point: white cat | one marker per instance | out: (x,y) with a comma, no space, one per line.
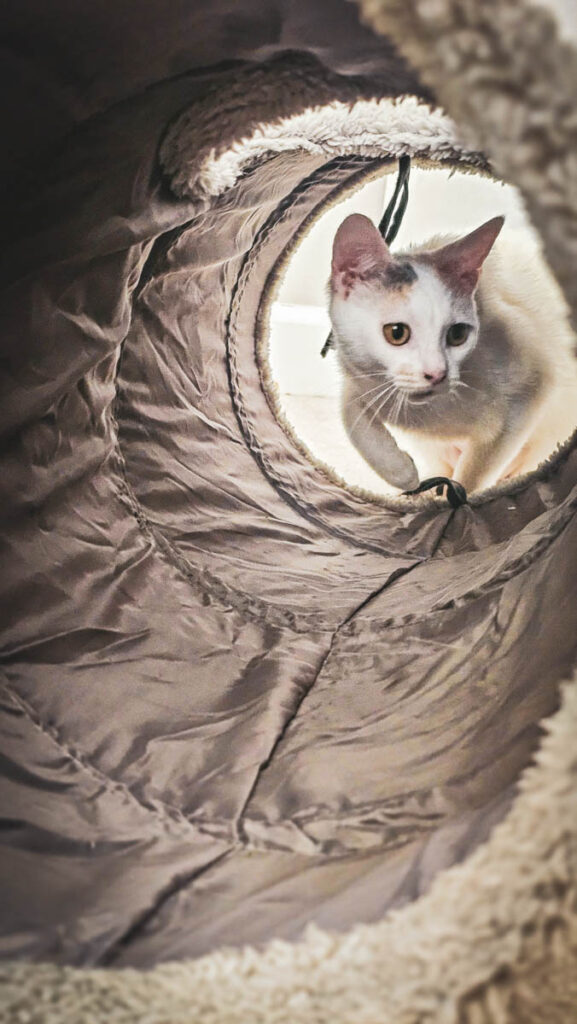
(475,372)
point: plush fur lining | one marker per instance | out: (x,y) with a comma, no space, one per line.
(371,127)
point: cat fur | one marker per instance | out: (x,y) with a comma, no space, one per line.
(510,393)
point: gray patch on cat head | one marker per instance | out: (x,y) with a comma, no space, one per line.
(396,275)
(400,274)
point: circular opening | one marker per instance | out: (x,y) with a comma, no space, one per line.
(525,301)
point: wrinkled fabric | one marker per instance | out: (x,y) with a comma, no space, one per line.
(236,698)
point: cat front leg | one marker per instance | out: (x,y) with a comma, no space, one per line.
(377,446)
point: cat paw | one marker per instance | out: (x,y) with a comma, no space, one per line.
(405,474)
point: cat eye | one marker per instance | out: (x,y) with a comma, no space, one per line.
(397,334)
(458,334)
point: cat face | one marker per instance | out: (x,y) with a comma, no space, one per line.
(413,317)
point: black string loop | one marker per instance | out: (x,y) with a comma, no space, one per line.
(395,211)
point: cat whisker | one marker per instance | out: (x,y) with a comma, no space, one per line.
(377,404)
(383,389)
(353,425)
(463,384)
(370,391)
(376,401)
(379,408)
(383,394)
(397,407)
(363,376)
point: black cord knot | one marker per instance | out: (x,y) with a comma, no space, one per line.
(456,494)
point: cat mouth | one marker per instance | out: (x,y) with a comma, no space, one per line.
(420,396)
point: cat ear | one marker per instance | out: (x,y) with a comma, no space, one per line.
(460,262)
(358,249)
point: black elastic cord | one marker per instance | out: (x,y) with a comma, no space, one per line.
(395,211)
(391,220)
(456,494)
(327,345)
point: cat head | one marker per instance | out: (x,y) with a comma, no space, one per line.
(412,315)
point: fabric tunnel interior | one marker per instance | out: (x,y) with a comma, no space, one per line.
(288,749)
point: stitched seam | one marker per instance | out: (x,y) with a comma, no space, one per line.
(159,809)
(204,582)
(295,712)
(166,813)
(139,923)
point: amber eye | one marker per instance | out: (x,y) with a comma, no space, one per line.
(458,334)
(397,334)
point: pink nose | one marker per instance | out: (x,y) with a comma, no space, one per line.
(435,378)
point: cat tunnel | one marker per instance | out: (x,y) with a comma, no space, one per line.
(274,749)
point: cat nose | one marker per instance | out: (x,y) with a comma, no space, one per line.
(435,378)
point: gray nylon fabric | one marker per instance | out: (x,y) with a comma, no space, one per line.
(236,698)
